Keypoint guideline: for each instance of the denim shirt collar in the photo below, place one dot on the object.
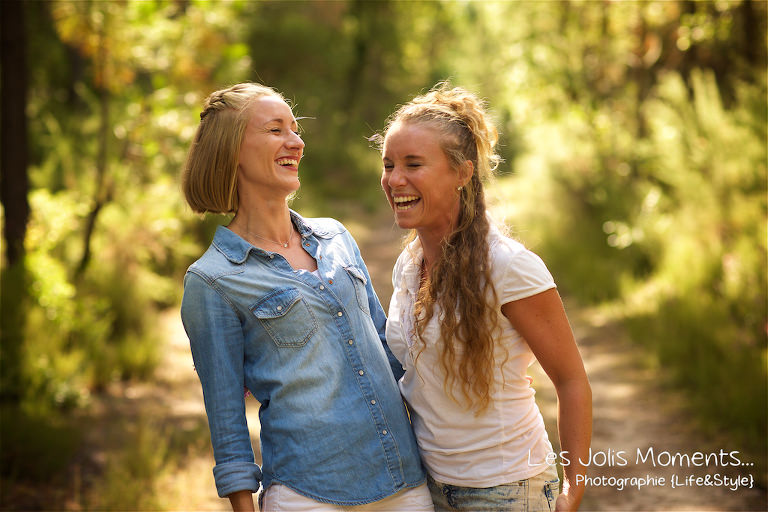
(236, 249)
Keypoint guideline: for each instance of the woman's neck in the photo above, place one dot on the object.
(432, 247)
(269, 220)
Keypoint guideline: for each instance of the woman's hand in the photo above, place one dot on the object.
(565, 503)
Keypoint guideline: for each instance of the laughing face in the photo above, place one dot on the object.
(419, 182)
(271, 149)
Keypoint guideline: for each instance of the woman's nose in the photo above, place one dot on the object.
(395, 177)
(295, 141)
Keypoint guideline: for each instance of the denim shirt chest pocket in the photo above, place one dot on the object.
(359, 282)
(284, 314)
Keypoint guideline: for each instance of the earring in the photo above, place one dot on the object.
(459, 188)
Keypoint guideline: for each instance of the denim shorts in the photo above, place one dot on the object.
(536, 494)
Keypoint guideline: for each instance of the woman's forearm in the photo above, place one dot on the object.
(574, 421)
(241, 501)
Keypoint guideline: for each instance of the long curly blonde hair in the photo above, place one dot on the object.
(459, 284)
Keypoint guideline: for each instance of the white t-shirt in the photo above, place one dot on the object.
(506, 442)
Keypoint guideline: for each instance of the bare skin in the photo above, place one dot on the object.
(241, 501)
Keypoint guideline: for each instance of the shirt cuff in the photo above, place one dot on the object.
(236, 476)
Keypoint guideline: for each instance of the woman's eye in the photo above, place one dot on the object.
(275, 130)
(388, 167)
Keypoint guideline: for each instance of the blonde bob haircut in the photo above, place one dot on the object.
(209, 177)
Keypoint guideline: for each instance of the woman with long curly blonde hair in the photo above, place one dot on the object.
(471, 310)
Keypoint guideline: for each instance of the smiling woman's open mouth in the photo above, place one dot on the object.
(405, 202)
(288, 162)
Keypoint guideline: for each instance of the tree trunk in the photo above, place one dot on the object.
(754, 50)
(14, 183)
(14, 186)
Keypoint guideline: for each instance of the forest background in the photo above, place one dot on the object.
(633, 137)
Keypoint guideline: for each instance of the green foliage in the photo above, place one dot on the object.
(707, 290)
(32, 446)
(83, 334)
(645, 187)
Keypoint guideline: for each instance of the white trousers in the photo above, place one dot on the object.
(279, 498)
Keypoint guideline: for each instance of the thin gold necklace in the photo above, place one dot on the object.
(284, 244)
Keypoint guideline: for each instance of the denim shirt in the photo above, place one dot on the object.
(312, 351)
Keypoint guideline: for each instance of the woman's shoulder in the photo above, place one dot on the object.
(511, 259)
(323, 226)
(210, 265)
(226, 252)
(503, 246)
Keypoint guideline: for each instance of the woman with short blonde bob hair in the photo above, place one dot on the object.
(209, 179)
(283, 307)
(471, 310)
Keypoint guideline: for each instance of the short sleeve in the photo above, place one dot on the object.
(517, 272)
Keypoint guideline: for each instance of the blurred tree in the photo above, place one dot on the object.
(14, 186)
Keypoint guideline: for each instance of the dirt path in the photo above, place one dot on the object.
(633, 415)
(630, 412)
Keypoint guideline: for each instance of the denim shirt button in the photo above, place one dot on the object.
(373, 402)
(361, 372)
(351, 342)
(339, 313)
(384, 432)
(322, 287)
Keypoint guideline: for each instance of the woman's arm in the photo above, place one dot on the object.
(241, 501)
(541, 321)
(216, 340)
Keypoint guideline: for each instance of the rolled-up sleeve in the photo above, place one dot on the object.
(216, 340)
(236, 476)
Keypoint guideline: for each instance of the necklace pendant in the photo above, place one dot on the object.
(285, 245)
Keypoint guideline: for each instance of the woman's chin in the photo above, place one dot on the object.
(404, 222)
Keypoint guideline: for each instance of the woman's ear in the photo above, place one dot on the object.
(466, 171)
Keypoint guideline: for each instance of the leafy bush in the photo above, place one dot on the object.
(670, 231)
